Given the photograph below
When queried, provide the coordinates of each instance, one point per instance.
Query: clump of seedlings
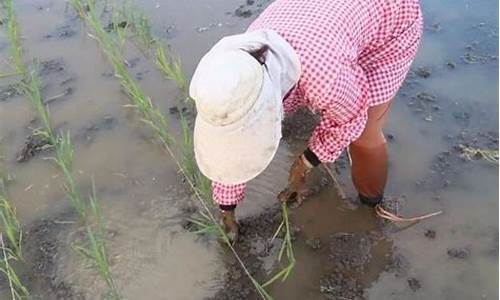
(14, 40)
(17, 289)
(96, 251)
(10, 225)
(11, 248)
(172, 70)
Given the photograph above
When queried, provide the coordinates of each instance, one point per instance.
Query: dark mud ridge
(42, 247)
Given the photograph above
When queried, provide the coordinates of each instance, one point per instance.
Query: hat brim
(238, 152)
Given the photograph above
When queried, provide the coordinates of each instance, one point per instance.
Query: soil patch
(42, 248)
(448, 166)
(33, 145)
(62, 32)
(9, 91)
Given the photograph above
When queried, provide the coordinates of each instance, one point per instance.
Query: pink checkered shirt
(354, 54)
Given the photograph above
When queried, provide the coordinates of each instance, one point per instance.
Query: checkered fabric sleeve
(228, 194)
(329, 139)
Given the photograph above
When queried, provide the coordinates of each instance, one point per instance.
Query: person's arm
(329, 139)
(228, 195)
(326, 144)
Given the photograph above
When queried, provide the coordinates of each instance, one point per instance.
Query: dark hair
(259, 54)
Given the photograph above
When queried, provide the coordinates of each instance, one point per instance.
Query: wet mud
(43, 247)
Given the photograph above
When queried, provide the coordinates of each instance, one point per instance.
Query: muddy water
(144, 202)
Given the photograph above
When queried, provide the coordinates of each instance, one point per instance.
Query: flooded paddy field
(449, 103)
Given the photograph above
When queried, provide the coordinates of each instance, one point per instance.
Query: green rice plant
(17, 289)
(5, 75)
(96, 250)
(64, 160)
(31, 87)
(172, 70)
(203, 224)
(285, 246)
(10, 225)
(151, 115)
(14, 39)
(139, 24)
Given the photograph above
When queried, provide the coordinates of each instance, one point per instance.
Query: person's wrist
(311, 158)
(306, 163)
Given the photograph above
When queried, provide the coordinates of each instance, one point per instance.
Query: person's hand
(296, 181)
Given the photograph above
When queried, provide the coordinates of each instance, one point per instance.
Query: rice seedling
(64, 160)
(17, 289)
(172, 70)
(140, 26)
(14, 39)
(10, 225)
(12, 251)
(31, 87)
(285, 246)
(203, 224)
(96, 250)
(139, 23)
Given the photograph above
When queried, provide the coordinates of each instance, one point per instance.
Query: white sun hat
(239, 104)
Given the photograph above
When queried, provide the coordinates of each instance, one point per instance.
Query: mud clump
(88, 133)
(399, 265)
(51, 66)
(459, 253)
(243, 12)
(112, 26)
(423, 72)
(434, 27)
(42, 249)
(350, 251)
(414, 284)
(314, 243)
(33, 145)
(424, 103)
(9, 91)
(339, 286)
(62, 32)
(430, 234)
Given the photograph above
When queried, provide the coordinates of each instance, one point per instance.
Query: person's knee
(371, 138)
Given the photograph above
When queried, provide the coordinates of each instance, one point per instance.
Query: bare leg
(369, 157)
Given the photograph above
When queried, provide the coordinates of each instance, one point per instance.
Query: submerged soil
(343, 251)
